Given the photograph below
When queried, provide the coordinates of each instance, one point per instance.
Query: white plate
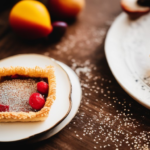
(127, 50)
(60, 108)
(76, 96)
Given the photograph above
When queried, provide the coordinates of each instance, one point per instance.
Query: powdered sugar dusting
(16, 93)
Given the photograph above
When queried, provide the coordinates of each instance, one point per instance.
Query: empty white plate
(127, 50)
(60, 108)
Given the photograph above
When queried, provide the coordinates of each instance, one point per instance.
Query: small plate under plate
(16, 131)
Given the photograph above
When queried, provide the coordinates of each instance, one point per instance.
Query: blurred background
(108, 118)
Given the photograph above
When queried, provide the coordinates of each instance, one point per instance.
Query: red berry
(4, 108)
(16, 76)
(36, 101)
(42, 87)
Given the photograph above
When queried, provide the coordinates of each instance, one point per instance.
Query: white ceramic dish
(18, 131)
(127, 50)
(76, 96)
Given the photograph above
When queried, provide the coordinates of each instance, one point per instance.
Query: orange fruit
(65, 9)
(30, 19)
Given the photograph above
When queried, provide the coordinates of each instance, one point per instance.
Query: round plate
(59, 109)
(127, 51)
(76, 99)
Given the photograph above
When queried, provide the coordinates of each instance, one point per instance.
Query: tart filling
(26, 94)
(15, 93)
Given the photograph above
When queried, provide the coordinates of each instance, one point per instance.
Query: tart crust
(42, 114)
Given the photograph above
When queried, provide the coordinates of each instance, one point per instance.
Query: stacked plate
(68, 97)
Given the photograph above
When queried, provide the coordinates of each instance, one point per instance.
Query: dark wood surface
(107, 118)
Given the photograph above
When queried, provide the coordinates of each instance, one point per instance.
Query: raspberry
(42, 87)
(36, 101)
(16, 76)
(4, 108)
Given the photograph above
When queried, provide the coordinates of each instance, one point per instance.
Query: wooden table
(107, 118)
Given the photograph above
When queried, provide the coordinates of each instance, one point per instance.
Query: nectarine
(65, 9)
(30, 19)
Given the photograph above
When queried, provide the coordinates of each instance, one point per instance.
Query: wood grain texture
(107, 118)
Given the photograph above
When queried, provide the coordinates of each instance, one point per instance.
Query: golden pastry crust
(41, 115)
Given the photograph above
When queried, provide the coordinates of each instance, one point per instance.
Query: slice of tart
(26, 94)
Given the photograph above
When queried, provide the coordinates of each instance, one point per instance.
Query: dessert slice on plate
(26, 94)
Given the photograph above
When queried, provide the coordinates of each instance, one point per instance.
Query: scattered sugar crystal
(125, 118)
